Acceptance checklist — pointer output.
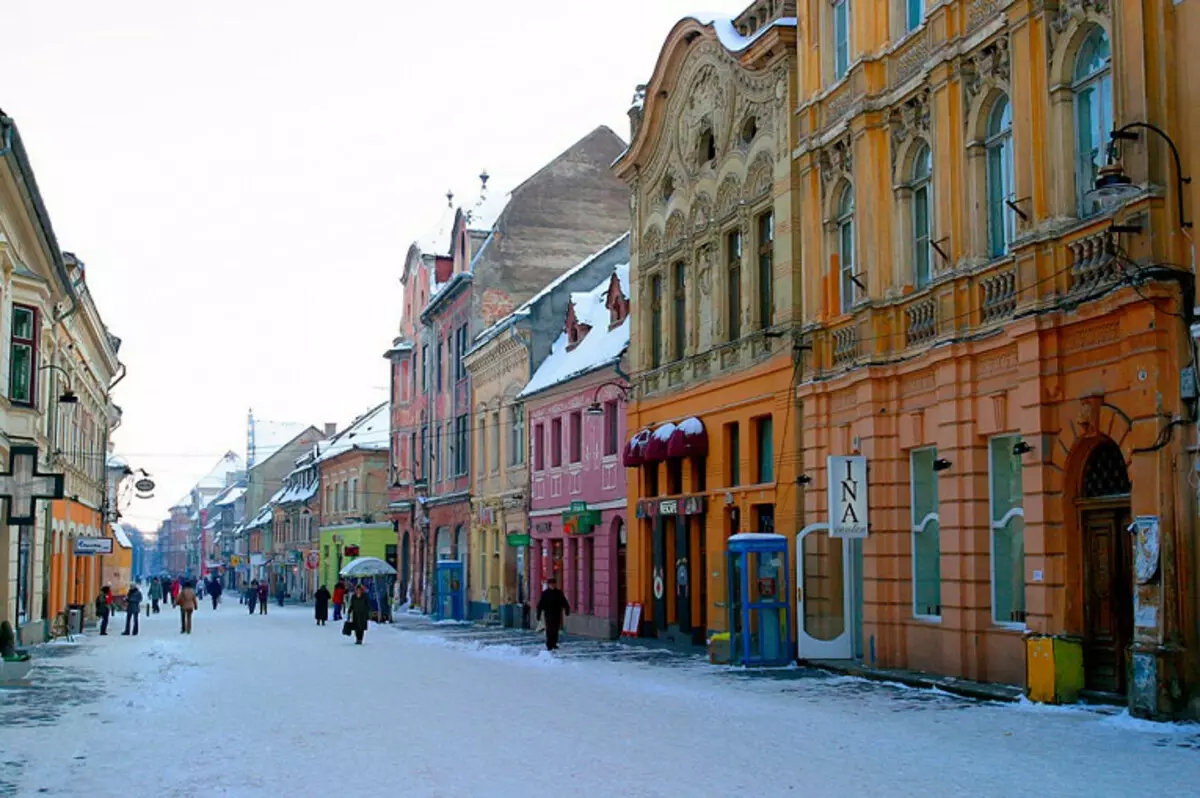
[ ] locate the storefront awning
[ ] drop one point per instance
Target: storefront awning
(635, 450)
(656, 449)
(689, 439)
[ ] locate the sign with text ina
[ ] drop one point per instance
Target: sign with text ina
(847, 496)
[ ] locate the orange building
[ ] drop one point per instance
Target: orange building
(715, 430)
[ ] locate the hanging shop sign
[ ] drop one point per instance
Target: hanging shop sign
(350, 551)
(847, 496)
(144, 485)
(579, 520)
(312, 560)
(89, 546)
(23, 485)
(517, 539)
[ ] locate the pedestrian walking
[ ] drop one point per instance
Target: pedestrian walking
(264, 595)
(339, 598)
(553, 604)
(359, 613)
(215, 590)
(155, 594)
(133, 609)
(252, 595)
(201, 584)
(322, 598)
(187, 604)
(280, 591)
(175, 588)
(104, 607)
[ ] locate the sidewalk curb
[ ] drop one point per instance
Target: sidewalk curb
(979, 691)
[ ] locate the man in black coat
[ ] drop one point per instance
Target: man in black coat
(553, 604)
(215, 590)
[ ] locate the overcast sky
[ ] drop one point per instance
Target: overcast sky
(242, 178)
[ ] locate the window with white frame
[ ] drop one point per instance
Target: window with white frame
(23, 369)
(926, 547)
(999, 143)
(495, 442)
(922, 214)
(841, 38)
(845, 249)
(1008, 531)
(516, 451)
(1093, 89)
(914, 13)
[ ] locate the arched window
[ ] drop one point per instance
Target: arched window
(922, 213)
(1001, 222)
(845, 249)
(1093, 91)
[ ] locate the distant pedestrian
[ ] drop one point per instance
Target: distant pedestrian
(200, 584)
(156, 594)
(175, 588)
(264, 595)
(339, 598)
(553, 604)
(280, 591)
(187, 604)
(252, 595)
(133, 609)
(322, 598)
(215, 590)
(104, 608)
(359, 613)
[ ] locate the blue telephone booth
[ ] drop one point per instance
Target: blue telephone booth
(449, 602)
(760, 608)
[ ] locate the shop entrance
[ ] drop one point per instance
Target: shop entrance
(823, 594)
(1104, 518)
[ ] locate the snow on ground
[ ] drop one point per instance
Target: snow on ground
(253, 705)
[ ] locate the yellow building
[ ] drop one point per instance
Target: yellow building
(1001, 342)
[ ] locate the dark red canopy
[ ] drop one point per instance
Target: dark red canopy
(656, 449)
(635, 450)
(689, 439)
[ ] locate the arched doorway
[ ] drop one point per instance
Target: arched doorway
(1104, 517)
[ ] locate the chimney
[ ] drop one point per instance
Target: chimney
(330, 429)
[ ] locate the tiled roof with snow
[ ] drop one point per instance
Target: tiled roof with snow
(271, 436)
(371, 431)
(728, 35)
(438, 240)
(229, 496)
(298, 493)
(598, 348)
(485, 214)
(216, 479)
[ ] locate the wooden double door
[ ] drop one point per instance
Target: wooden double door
(1108, 597)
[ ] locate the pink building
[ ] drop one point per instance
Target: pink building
(575, 404)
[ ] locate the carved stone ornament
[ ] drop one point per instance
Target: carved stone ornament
(909, 119)
(1069, 11)
(705, 273)
(706, 107)
(989, 67)
(836, 161)
(702, 211)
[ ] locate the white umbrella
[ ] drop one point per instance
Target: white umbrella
(367, 566)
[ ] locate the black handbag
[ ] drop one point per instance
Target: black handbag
(347, 628)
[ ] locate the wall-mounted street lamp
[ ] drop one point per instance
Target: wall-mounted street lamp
(597, 409)
(1113, 184)
(67, 399)
(942, 464)
(1021, 447)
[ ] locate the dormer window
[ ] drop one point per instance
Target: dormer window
(573, 335)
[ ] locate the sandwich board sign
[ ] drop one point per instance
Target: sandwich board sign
(847, 496)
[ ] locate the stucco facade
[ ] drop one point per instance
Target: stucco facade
(716, 302)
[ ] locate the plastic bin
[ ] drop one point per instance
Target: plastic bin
(75, 619)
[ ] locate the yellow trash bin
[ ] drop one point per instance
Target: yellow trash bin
(1054, 669)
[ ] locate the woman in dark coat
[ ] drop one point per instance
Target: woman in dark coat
(360, 613)
(322, 596)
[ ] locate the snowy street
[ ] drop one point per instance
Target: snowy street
(252, 705)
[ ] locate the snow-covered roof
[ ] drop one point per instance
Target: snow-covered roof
(121, 537)
(524, 308)
(216, 479)
(371, 431)
(485, 214)
(271, 436)
(438, 240)
(728, 35)
(749, 536)
(298, 493)
(266, 512)
(598, 348)
(229, 496)
(117, 461)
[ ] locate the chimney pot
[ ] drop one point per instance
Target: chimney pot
(330, 429)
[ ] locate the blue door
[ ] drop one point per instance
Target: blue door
(450, 602)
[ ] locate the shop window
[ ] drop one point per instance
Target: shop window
(733, 460)
(764, 518)
(766, 273)
(556, 443)
(1008, 531)
(611, 428)
(926, 547)
(576, 430)
(589, 570)
(1093, 90)
(765, 446)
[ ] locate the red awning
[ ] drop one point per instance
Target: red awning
(635, 450)
(689, 439)
(656, 449)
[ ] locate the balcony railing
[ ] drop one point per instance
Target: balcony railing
(998, 295)
(1093, 261)
(921, 321)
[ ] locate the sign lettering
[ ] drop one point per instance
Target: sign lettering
(848, 497)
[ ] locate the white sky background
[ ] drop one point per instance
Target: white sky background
(243, 178)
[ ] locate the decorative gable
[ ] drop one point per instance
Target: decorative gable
(576, 330)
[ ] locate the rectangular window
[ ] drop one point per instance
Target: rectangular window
(495, 443)
(412, 456)
(841, 38)
(914, 12)
(556, 443)
(656, 312)
(576, 430)
(611, 428)
(733, 460)
(926, 548)
(437, 451)
(539, 447)
(1008, 531)
(674, 476)
(424, 450)
(437, 367)
(651, 479)
(425, 368)
(680, 286)
(482, 444)
(516, 454)
(764, 443)
(462, 352)
(699, 479)
(462, 435)
(354, 494)
(22, 378)
(766, 270)
(733, 255)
